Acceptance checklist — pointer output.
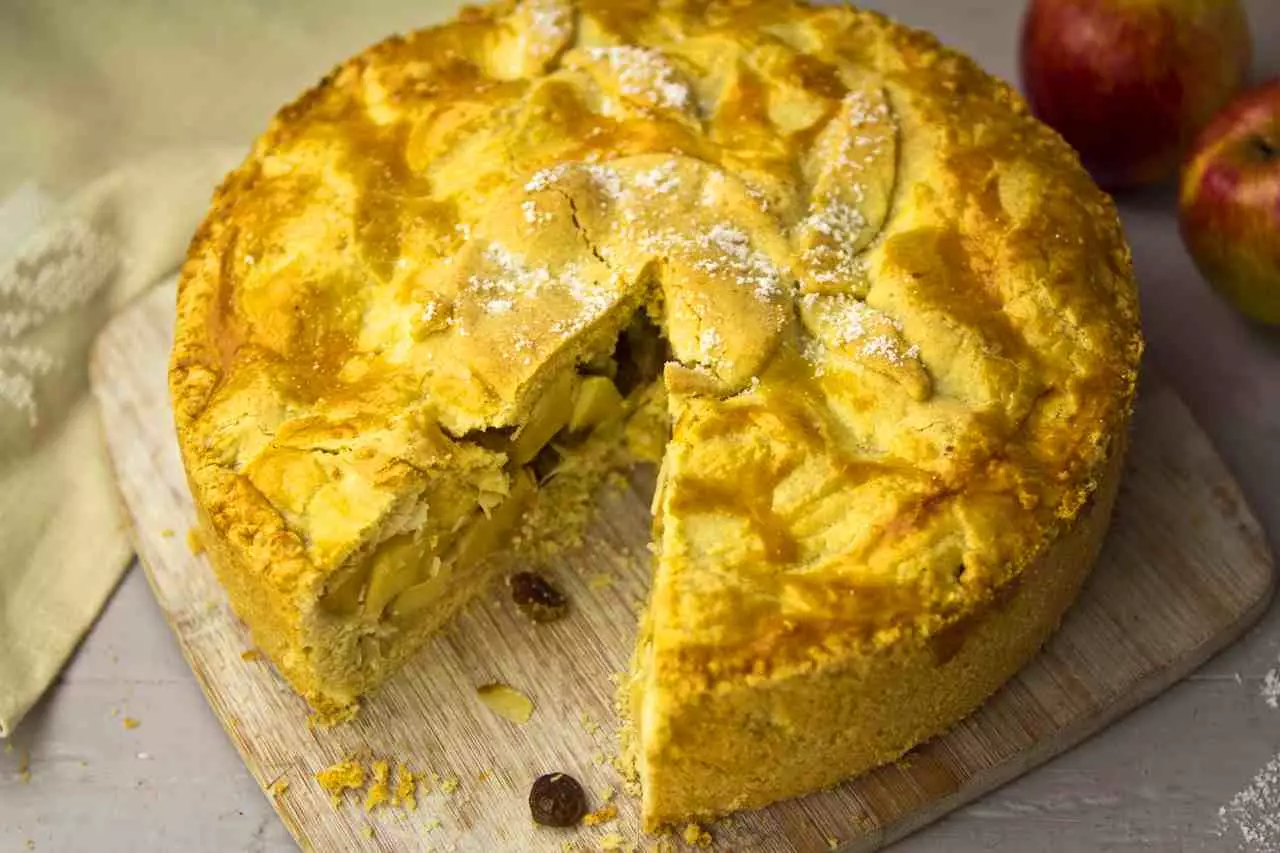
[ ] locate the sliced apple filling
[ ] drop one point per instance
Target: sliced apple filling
(425, 565)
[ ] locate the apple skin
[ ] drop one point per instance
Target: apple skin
(1128, 83)
(1229, 202)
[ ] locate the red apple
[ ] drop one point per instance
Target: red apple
(1229, 202)
(1129, 82)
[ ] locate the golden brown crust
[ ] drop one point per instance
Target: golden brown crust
(903, 319)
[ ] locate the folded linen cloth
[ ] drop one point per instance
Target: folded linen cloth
(64, 269)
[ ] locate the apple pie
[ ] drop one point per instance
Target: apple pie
(875, 321)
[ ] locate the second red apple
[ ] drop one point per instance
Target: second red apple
(1129, 82)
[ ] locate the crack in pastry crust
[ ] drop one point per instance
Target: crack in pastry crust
(903, 325)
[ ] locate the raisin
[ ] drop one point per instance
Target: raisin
(537, 598)
(556, 799)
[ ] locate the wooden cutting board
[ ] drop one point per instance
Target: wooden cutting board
(1184, 571)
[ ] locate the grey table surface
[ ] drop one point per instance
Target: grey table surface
(87, 85)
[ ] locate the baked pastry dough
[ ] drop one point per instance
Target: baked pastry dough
(901, 342)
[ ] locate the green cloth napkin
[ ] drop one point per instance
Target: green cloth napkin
(64, 268)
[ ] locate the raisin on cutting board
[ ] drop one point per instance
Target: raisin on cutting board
(537, 598)
(556, 799)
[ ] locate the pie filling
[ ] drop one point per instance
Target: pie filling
(608, 413)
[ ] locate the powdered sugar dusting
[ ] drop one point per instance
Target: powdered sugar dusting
(1254, 813)
(850, 322)
(605, 178)
(644, 74)
(1271, 688)
(549, 20)
(729, 250)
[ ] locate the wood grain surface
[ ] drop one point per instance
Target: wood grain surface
(1184, 571)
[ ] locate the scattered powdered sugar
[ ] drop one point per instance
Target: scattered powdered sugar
(1271, 688)
(730, 251)
(532, 214)
(1255, 811)
(850, 321)
(860, 112)
(849, 317)
(605, 178)
(841, 222)
(709, 343)
(512, 278)
(661, 179)
(644, 74)
(549, 20)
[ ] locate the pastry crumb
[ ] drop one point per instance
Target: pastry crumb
(434, 823)
(614, 841)
(507, 702)
(406, 788)
(694, 835)
(130, 722)
(367, 831)
(599, 581)
(605, 793)
(194, 543)
(250, 655)
(833, 843)
(450, 785)
(278, 787)
(604, 814)
(590, 726)
(379, 793)
(24, 766)
(344, 776)
(166, 533)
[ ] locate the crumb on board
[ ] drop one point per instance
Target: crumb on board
(344, 776)
(31, 844)
(24, 766)
(832, 842)
(379, 792)
(434, 823)
(695, 836)
(450, 785)
(406, 788)
(483, 776)
(507, 702)
(599, 581)
(367, 831)
(194, 543)
(130, 722)
(250, 655)
(166, 533)
(614, 841)
(604, 814)
(590, 726)
(600, 758)
(605, 793)
(278, 787)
